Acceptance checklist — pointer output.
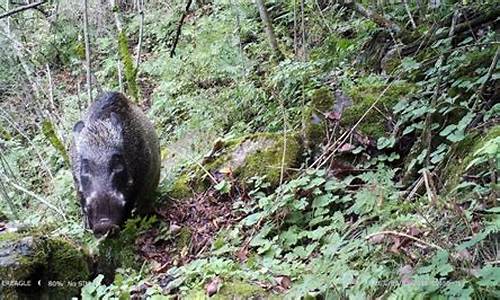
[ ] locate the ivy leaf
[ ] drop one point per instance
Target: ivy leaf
(384, 142)
(290, 237)
(253, 218)
(489, 276)
(315, 182)
(448, 129)
(474, 240)
(409, 64)
(223, 187)
(323, 200)
(347, 278)
(318, 233)
(458, 290)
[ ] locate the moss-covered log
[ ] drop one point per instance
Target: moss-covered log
(260, 154)
(35, 266)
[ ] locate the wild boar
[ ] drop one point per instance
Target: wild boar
(115, 158)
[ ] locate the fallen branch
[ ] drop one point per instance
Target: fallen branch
(487, 16)
(369, 14)
(88, 62)
(492, 68)
(21, 8)
(429, 187)
(35, 196)
(141, 35)
(403, 235)
(340, 141)
(179, 27)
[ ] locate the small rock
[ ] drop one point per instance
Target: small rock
(213, 286)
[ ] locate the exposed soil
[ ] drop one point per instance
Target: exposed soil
(193, 225)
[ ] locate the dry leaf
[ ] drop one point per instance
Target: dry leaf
(213, 286)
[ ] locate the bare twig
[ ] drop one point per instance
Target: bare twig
(427, 132)
(429, 187)
(141, 33)
(179, 27)
(407, 8)
(375, 17)
(7, 7)
(283, 156)
(303, 29)
(116, 14)
(403, 235)
(35, 196)
(6, 198)
(339, 142)
(323, 18)
(268, 27)
(415, 188)
(7, 118)
(492, 68)
(87, 50)
(21, 8)
(295, 38)
(488, 16)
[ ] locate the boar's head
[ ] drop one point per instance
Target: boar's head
(103, 178)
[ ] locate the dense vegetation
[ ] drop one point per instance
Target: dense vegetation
(343, 149)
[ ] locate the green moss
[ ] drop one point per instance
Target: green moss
(4, 134)
(322, 99)
(8, 236)
(36, 256)
(240, 290)
(270, 160)
(463, 154)
(18, 260)
(68, 264)
(364, 95)
(180, 188)
(79, 50)
(184, 239)
(50, 134)
(117, 252)
(259, 154)
(314, 123)
(474, 60)
(128, 65)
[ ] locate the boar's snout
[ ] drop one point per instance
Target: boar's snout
(105, 212)
(104, 226)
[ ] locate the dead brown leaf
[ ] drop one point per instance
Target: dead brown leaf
(213, 286)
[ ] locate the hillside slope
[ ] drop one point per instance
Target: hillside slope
(358, 159)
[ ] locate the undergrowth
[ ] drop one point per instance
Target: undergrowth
(397, 198)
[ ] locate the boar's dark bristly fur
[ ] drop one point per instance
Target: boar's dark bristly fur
(115, 159)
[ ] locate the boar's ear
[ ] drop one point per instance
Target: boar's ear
(116, 122)
(78, 127)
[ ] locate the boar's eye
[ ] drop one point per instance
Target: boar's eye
(116, 164)
(85, 167)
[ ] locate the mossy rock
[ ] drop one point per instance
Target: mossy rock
(39, 266)
(314, 123)
(181, 188)
(265, 155)
(463, 154)
(240, 290)
(119, 250)
(3, 217)
(364, 95)
(260, 154)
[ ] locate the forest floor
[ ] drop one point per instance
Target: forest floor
(358, 159)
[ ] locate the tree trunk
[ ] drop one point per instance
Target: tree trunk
(268, 27)
(87, 49)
